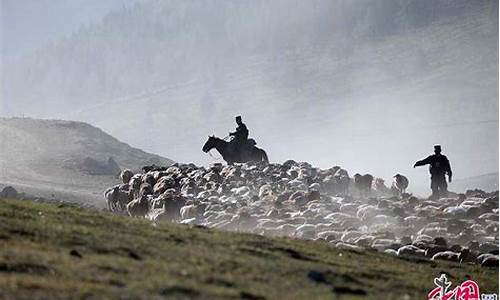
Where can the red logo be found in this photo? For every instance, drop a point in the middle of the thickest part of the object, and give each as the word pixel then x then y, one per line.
pixel 468 290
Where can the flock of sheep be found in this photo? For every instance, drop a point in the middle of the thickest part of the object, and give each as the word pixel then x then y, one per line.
pixel 297 200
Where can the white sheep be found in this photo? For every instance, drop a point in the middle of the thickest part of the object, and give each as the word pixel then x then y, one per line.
pixel 400 184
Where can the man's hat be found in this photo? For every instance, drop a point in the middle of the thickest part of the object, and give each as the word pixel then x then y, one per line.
pixel 238 117
pixel 437 147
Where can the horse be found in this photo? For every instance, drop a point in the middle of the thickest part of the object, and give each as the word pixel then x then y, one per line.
pixel 222 146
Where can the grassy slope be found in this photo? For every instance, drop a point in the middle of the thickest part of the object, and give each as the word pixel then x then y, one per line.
pixel 41 157
pixel 129 258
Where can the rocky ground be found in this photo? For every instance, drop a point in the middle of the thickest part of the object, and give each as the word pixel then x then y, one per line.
pixel 297 200
pixel 85 200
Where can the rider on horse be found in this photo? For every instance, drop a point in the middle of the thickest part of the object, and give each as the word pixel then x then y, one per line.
pixel 240 136
pixel 239 149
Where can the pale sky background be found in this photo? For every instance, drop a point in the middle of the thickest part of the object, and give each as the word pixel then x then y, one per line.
pixel 164 75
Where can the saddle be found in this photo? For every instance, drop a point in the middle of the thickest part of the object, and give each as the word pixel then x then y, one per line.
pixel 245 149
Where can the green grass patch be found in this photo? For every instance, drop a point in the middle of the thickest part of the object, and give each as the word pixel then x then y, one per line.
pixel 50 251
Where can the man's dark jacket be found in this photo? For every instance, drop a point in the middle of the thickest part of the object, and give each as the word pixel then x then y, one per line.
pixel 241 134
pixel 439 165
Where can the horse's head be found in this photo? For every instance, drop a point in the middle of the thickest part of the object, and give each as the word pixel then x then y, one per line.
pixel 209 144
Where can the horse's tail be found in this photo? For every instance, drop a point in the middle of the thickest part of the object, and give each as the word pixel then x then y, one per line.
pixel 264 156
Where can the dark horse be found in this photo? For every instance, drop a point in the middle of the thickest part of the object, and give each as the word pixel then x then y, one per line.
pixel 256 154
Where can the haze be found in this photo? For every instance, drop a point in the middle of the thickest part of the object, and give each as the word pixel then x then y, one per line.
pixel 368 85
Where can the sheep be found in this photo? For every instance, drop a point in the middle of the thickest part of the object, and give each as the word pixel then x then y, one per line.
pixel 364 240
pixel 400 184
pixel 315 186
pixel 447 255
pixel 366 212
pixel 126 175
pixel 391 252
pixel 135 184
pixel 265 190
pixel 149 179
pixel 117 197
pixel 411 250
pixel 384 244
pixel 350 236
pixel 109 195
pixel 163 184
pixel 342 183
pixel 489 247
pixel 145 189
pixel 363 183
pixel 491 261
pixel 188 212
pixel 347 246
pixel 341 172
pixel 329 235
pixel 172 205
pixel 138 207
pixel 297 200
pixel 305 231
pixel 380 188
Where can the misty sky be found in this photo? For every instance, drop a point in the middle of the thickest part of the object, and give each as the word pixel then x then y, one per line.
pixel 351 83
pixel 27 25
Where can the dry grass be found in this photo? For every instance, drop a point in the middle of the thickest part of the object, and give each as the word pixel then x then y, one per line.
pixel 50 251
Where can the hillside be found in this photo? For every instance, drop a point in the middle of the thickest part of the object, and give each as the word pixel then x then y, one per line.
pixel 486 182
pixel 179 38
pixel 319 81
pixel 60 251
pixel 53 156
